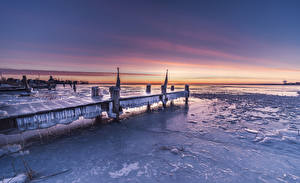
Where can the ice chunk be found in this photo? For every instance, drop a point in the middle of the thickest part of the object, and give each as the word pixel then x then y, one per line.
pixel 251 131
pixel 21 178
pixel 3 113
pixel 125 170
pixel 11 148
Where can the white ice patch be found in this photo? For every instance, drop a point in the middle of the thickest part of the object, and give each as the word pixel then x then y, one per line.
pixel 3 113
pixel 251 131
pixel 11 148
pixel 125 170
pixel 21 178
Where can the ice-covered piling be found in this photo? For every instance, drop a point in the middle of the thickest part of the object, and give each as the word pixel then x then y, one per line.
pixel 74 86
pixel 172 88
pixel 187 93
pixel 114 106
pixel 95 91
pixel 148 88
pixel 25 83
pixel 163 97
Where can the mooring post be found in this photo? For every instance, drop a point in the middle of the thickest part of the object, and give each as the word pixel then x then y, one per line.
pixel 25 83
pixel 187 93
pixel 148 88
pixel 74 86
pixel 172 88
pixel 148 107
pixel 115 96
pixel 95 91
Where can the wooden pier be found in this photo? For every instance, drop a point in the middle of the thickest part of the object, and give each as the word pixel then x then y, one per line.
pixel 43 115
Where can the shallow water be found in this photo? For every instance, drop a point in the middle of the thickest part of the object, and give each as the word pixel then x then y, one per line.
pixel 225 134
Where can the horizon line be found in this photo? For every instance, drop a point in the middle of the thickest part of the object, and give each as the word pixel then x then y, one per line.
pixel 82 73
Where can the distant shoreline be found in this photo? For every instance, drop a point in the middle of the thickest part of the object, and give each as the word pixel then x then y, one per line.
pixel 10 71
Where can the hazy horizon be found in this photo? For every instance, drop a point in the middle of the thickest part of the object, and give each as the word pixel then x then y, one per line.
pixel 198 41
pixel 104 77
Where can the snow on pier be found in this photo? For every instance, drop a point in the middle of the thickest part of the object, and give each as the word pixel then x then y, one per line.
pixel 46 114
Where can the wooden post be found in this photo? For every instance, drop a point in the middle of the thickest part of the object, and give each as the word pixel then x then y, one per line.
pixel 25 83
pixel 164 96
pixel 115 96
pixel 148 88
pixel 148 107
pixel 187 94
pixel 172 88
pixel 95 91
pixel 74 86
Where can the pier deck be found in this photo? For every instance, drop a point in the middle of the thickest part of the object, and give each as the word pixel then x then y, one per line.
pixel 46 114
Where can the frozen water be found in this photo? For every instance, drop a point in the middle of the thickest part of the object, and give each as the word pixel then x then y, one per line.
pixel 125 170
pixel 21 178
pixel 226 134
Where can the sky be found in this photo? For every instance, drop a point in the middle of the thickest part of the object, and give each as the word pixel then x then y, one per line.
pixel 198 41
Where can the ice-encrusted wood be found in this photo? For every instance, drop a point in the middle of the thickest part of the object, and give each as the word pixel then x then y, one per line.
pixel 141 101
pixel 68 115
pixel 176 95
pixel 65 116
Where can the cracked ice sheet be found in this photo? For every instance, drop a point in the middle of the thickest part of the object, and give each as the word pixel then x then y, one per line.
pixel 164 146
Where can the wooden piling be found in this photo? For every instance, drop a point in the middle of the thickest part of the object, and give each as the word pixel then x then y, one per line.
pixel 74 86
pixel 164 96
pixel 148 107
pixel 148 88
pixel 25 83
pixel 187 93
pixel 115 108
pixel 172 88
pixel 95 91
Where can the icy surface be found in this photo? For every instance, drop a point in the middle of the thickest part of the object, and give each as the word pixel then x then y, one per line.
pixel 21 178
pixel 226 134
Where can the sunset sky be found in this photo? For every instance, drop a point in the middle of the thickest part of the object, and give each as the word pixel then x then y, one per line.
pixel 198 41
